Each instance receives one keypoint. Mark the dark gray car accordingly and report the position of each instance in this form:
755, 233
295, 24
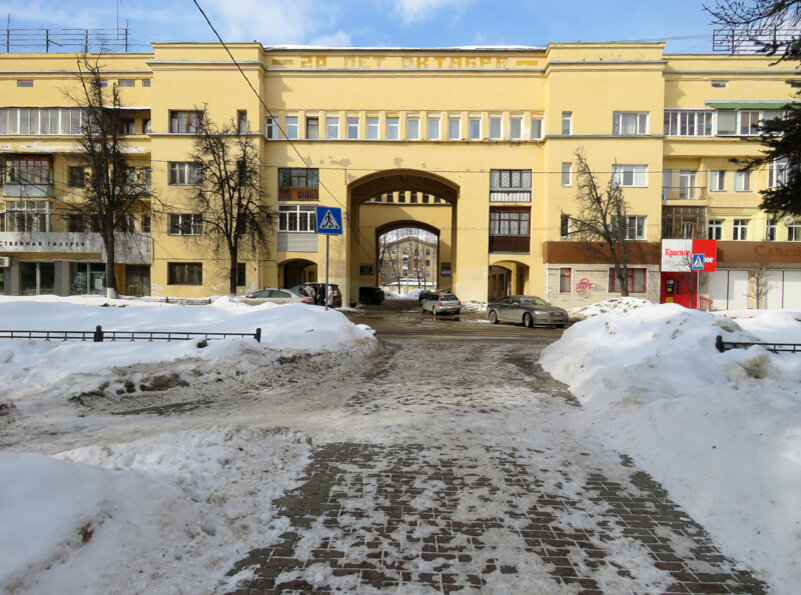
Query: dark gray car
527, 310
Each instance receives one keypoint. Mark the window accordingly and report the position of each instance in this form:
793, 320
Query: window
75, 223
565, 279
474, 128
312, 128
146, 82
145, 175
720, 84
740, 230
749, 122
770, 229
292, 127
688, 122
372, 128
516, 128
777, 173
242, 121
298, 183
564, 226
127, 83
636, 280
185, 224
146, 223
509, 222
146, 126
75, 176
742, 181
510, 185
413, 128
353, 127
28, 215
715, 229
794, 231
432, 128
297, 218
185, 121
241, 272
126, 223
635, 227
495, 128
393, 128
332, 127
183, 173
32, 120
682, 222
126, 126
454, 128
184, 273
25, 83
270, 128
630, 175
566, 168
28, 170
717, 180
727, 122
536, 128
567, 123
630, 123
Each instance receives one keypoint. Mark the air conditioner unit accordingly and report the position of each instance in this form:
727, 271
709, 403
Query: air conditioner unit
5, 261
788, 220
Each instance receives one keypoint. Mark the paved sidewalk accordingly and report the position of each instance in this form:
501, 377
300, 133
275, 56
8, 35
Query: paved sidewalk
422, 518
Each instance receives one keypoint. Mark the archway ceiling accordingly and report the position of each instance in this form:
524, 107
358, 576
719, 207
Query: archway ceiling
395, 180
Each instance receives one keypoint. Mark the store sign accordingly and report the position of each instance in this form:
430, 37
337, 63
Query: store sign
131, 248
689, 255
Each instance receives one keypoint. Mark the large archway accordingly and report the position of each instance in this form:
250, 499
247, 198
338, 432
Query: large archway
296, 271
393, 199
507, 277
408, 256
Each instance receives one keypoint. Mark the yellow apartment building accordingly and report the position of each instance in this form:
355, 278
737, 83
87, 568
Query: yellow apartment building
487, 135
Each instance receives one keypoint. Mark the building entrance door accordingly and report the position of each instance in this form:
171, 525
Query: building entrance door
679, 288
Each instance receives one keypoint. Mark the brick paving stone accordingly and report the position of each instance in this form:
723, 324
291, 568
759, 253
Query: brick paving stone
358, 522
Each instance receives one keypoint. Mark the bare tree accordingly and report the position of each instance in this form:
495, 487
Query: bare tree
111, 194
602, 217
229, 194
760, 285
762, 23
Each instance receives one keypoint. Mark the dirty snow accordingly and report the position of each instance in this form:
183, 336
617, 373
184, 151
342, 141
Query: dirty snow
617, 304
719, 430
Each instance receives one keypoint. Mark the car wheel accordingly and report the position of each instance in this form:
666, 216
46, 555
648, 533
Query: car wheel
561, 325
528, 322
493, 317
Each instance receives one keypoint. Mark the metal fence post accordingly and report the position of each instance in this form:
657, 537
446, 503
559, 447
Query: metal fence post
98, 334
257, 336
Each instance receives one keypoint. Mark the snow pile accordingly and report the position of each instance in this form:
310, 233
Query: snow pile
721, 431
144, 516
473, 306
34, 367
616, 304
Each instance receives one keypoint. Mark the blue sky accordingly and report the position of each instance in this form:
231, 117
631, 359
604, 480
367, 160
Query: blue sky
428, 23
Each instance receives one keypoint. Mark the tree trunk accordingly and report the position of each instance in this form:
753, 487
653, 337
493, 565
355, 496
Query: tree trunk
233, 252
111, 276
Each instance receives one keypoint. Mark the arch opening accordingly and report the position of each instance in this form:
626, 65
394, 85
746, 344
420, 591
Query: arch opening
296, 271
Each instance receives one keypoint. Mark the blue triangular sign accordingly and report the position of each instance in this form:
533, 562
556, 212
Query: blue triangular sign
698, 262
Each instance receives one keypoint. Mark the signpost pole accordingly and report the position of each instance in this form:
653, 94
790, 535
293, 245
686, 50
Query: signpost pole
325, 295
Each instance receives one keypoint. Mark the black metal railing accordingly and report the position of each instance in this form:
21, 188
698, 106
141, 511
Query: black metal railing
722, 346
99, 335
169, 300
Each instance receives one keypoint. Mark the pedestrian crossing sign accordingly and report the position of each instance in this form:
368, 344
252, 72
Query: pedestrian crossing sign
698, 262
329, 220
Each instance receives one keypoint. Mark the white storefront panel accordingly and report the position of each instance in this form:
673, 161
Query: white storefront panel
784, 290
728, 290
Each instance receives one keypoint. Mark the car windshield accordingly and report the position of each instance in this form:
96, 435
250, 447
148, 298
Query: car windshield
533, 301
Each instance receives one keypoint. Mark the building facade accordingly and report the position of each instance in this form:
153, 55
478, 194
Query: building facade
490, 135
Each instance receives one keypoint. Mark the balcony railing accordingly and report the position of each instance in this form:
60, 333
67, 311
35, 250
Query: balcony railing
517, 244
42, 190
298, 194
684, 193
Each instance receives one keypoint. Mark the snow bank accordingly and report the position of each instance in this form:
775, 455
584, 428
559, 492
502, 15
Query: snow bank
77, 365
144, 516
721, 431
617, 304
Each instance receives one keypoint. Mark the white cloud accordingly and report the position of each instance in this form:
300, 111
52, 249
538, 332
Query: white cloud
412, 11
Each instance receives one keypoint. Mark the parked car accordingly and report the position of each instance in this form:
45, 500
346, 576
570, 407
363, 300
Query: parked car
274, 296
426, 293
371, 295
441, 303
527, 310
335, 297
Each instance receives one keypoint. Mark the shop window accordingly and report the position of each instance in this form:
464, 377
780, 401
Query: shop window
37, 278
637, 280
565, 279
87, 278
184, 273
298, 183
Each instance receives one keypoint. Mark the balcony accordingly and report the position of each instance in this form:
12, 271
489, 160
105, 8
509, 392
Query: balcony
298, 193
684, 193
29, 190
513, 244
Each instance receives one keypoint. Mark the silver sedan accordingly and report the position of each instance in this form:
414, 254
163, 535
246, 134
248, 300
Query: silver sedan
274, 296
441, 303
527, 310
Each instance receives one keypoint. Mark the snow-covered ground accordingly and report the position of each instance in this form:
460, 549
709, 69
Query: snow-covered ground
176, 508
721, 431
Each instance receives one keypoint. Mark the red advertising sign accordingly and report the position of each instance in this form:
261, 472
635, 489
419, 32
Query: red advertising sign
678, 255
709, 248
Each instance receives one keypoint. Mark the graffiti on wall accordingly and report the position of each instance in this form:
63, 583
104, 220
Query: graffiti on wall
585, 287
